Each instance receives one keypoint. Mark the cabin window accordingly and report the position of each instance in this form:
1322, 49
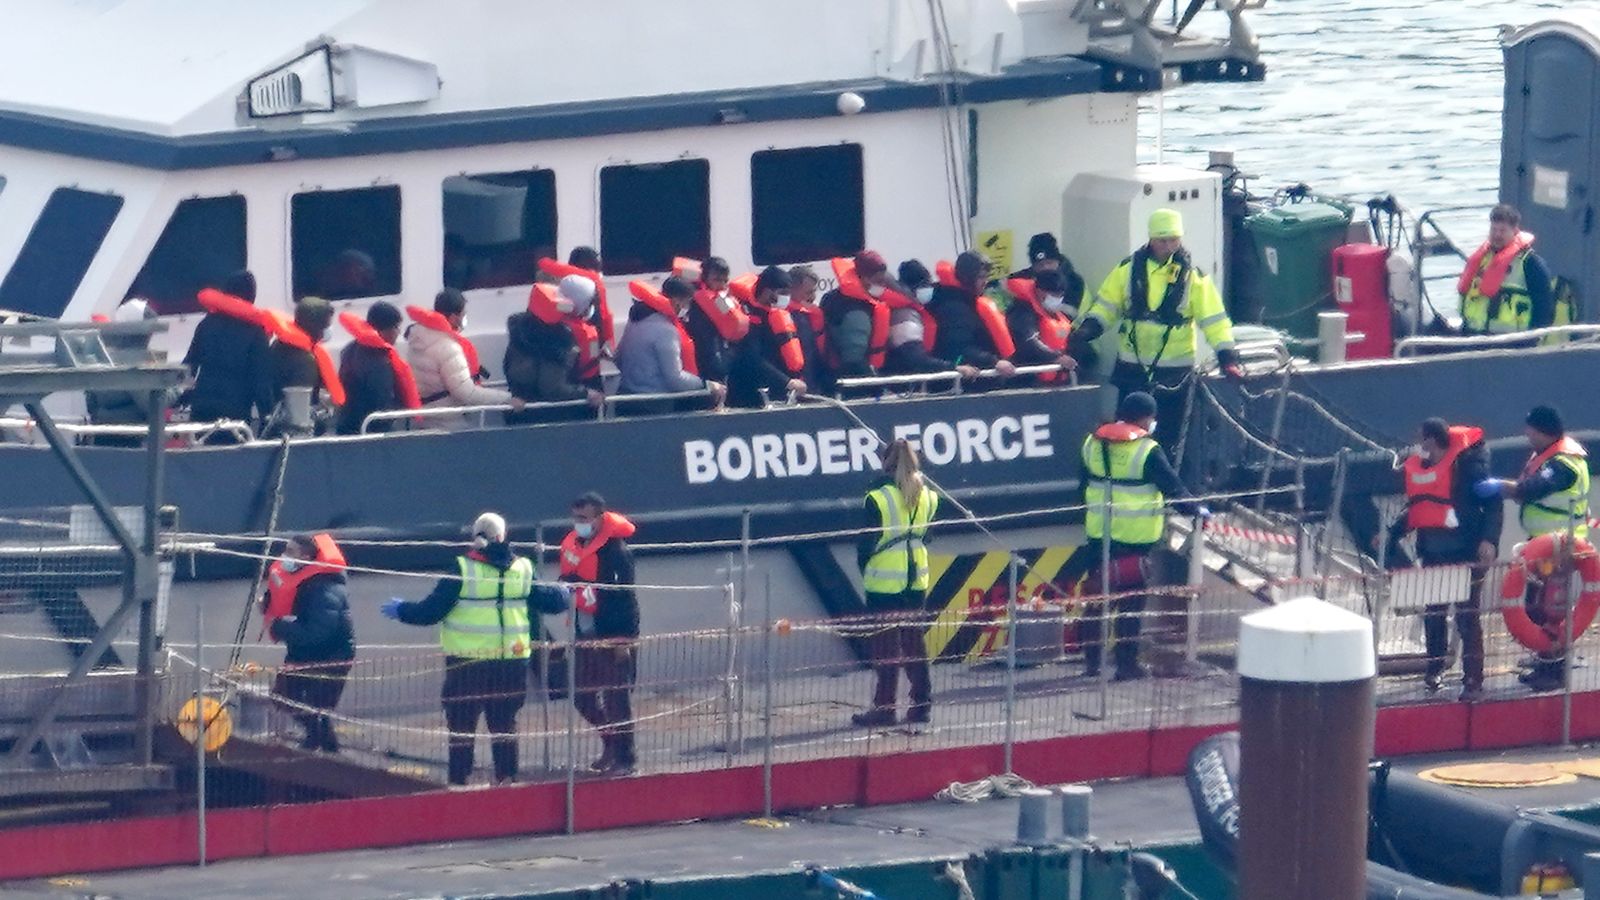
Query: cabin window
346, 244
651, 213
497, 226
203, 243
58, 251
806, 204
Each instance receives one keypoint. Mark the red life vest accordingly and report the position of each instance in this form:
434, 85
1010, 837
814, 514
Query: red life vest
729, 318
879, 307
686, 268
544, 302
1489, 284
405, 383
580, 561
215, 301
1054, 327
994, 321
1566, 446
287, 332
427, 318
1120, 432
282, 585
777, 321
658, 301
1430, 490
559, 270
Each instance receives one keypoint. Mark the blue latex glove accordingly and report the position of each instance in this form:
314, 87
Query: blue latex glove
1204, 512
1487, 489
391, 609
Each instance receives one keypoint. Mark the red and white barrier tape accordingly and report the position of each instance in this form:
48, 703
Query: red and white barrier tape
1251, 534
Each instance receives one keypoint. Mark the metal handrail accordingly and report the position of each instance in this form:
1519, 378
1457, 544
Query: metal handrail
925, 379
1478, 342
444, 412
238, 429
1277, 351
613, 400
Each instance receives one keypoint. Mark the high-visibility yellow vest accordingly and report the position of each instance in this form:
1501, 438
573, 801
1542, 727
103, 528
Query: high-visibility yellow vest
1563, 509
1508, 311
1113, 462
1160, 336
900, 561
490, 619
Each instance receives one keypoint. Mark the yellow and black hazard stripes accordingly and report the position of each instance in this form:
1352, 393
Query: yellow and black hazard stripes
968, 598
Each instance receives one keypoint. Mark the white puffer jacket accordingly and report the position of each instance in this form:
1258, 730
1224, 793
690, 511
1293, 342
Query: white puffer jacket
440, 367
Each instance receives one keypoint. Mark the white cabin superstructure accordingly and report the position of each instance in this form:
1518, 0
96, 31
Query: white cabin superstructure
148, 147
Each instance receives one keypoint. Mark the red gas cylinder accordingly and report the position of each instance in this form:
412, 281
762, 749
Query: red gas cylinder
1361, 287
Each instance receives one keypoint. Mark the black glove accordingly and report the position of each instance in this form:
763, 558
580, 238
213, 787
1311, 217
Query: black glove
1231, 369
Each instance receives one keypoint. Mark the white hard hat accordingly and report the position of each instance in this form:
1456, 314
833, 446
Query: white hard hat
579, 291
489, 528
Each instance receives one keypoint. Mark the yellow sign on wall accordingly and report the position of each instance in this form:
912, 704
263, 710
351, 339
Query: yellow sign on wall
996, 246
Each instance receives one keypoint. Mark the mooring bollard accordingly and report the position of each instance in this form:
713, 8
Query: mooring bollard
1033, 817
1076, 802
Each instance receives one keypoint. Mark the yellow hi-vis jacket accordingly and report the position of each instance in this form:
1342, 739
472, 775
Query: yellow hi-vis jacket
1113, 461
490, 618
1159, 333
1563, 509
899, 563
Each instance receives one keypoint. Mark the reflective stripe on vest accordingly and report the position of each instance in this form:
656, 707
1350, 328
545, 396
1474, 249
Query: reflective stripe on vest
1430, 489
1509, 310
1562, 509
1138, 508
490, 618
900, 562
1147, 341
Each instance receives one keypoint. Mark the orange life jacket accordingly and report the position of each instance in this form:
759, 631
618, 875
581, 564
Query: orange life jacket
1054, 327
580, 560
215, 301
1430, 489
282, 585
880, 307
405, 383
1499, 265
428, 318
777, 321
557, 269
686, 268
1566, 445
729, 318
658, 301
543, 302
994, 321
287, 332
1120, 432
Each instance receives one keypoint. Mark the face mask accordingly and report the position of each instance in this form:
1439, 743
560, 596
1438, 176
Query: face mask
463, 328
1054, 302
875, 291
924, 294
781, 302
1153, 426
290, 564
584, 530
683, 313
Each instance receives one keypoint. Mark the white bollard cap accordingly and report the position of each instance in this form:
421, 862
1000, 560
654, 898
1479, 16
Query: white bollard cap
1307, 641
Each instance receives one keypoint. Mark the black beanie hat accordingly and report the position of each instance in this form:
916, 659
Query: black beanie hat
1545, 420
1043, 246
1137, 405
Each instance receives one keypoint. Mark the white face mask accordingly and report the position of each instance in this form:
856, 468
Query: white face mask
291, 564
1153, 426
924, 294
682, 312
463, 328
1054, 302
584, 530
781, 302
875, 290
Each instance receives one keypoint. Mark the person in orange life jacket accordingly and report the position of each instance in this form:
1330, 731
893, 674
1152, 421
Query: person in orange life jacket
444, 362
716, 322
588, 259
770, 359
1453, 526
1136, 422
1039, 323
655, 355
1505, 286
553, 352
596, 556
370, 374
966, 334
307, 609
850, 318
810, 325
486, 650
230, 360
1044, 255
298, 365
912, 331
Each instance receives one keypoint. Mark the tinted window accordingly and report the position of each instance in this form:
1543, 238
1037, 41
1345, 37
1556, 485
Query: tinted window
202, 244
806, 204
58, 251
346, 243
651, 213
497, 226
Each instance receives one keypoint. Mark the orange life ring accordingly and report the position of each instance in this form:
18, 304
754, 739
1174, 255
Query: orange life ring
1537, 561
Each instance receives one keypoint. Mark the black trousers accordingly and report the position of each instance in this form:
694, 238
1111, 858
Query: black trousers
493, 689
604, 677
1436, 633
897, 644
1170, 388
315, 685
1126, 613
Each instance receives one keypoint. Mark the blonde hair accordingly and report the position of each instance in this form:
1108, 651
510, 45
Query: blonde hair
900, 463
